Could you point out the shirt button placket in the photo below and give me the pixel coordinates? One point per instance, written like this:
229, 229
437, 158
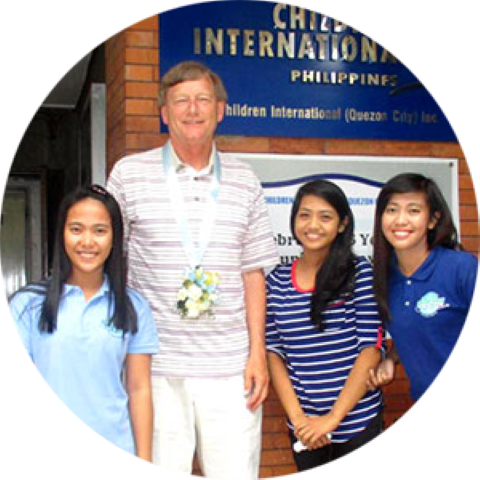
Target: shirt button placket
408, 293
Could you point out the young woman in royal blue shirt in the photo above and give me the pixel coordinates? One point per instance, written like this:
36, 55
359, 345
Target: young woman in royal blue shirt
324, 332
423, 280
83, 328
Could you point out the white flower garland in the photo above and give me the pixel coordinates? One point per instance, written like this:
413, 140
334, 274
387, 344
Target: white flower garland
198, 293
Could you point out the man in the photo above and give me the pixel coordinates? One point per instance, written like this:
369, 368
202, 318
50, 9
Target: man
198, 240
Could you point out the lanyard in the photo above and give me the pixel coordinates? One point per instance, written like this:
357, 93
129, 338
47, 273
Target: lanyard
194, 255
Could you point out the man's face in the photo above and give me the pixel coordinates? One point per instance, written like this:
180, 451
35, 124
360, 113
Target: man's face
192, 112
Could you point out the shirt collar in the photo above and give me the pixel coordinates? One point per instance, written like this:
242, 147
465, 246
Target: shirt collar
180, 166
423, 273
104, 289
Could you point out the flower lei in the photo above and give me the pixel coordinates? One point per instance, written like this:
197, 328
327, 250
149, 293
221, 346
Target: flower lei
198, 293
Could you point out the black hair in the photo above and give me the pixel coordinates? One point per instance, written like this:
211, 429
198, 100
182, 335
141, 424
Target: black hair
442, 234
336, 277
124, 317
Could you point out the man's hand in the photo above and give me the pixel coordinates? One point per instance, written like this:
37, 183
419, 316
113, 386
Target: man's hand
256, 381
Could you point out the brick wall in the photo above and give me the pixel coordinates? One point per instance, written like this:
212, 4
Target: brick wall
132, 76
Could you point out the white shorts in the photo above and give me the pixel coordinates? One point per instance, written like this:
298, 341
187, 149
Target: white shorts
211, 417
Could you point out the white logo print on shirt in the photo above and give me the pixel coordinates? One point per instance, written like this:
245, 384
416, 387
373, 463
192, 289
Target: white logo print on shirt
430, 304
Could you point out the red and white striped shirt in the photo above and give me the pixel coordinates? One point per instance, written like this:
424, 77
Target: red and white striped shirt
242, 241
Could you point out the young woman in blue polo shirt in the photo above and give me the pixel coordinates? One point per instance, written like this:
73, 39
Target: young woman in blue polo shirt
423, 281
324, 332
83, 328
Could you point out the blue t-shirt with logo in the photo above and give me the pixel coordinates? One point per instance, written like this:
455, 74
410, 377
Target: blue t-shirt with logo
83, 359
428, 312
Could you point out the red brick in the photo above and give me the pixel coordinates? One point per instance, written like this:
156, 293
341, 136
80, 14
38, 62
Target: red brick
140, 39
140, 107
141, 90
139, 73
145, 56
146, 23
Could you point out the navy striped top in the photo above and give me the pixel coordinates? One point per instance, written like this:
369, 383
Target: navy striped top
319, 363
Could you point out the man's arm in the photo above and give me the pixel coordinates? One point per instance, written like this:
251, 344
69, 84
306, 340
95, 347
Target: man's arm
256, 371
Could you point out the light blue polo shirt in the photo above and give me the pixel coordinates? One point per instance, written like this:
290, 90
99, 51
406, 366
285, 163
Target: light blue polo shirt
83, 359
428, 312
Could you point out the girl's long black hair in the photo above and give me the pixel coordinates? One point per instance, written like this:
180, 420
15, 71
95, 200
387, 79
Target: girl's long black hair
336, 277
442, 234
124, 316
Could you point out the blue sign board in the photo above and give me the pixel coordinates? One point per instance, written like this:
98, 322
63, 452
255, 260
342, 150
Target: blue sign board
292, 72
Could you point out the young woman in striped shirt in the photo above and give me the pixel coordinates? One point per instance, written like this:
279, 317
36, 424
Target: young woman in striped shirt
323, 332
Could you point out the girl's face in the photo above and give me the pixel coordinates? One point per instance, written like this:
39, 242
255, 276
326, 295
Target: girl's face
406, 221
87, 236
317, 224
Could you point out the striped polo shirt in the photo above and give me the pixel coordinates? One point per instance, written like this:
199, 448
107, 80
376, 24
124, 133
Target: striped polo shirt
242, 241
319, 363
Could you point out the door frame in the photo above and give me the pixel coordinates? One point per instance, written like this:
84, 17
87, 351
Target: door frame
33, 186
